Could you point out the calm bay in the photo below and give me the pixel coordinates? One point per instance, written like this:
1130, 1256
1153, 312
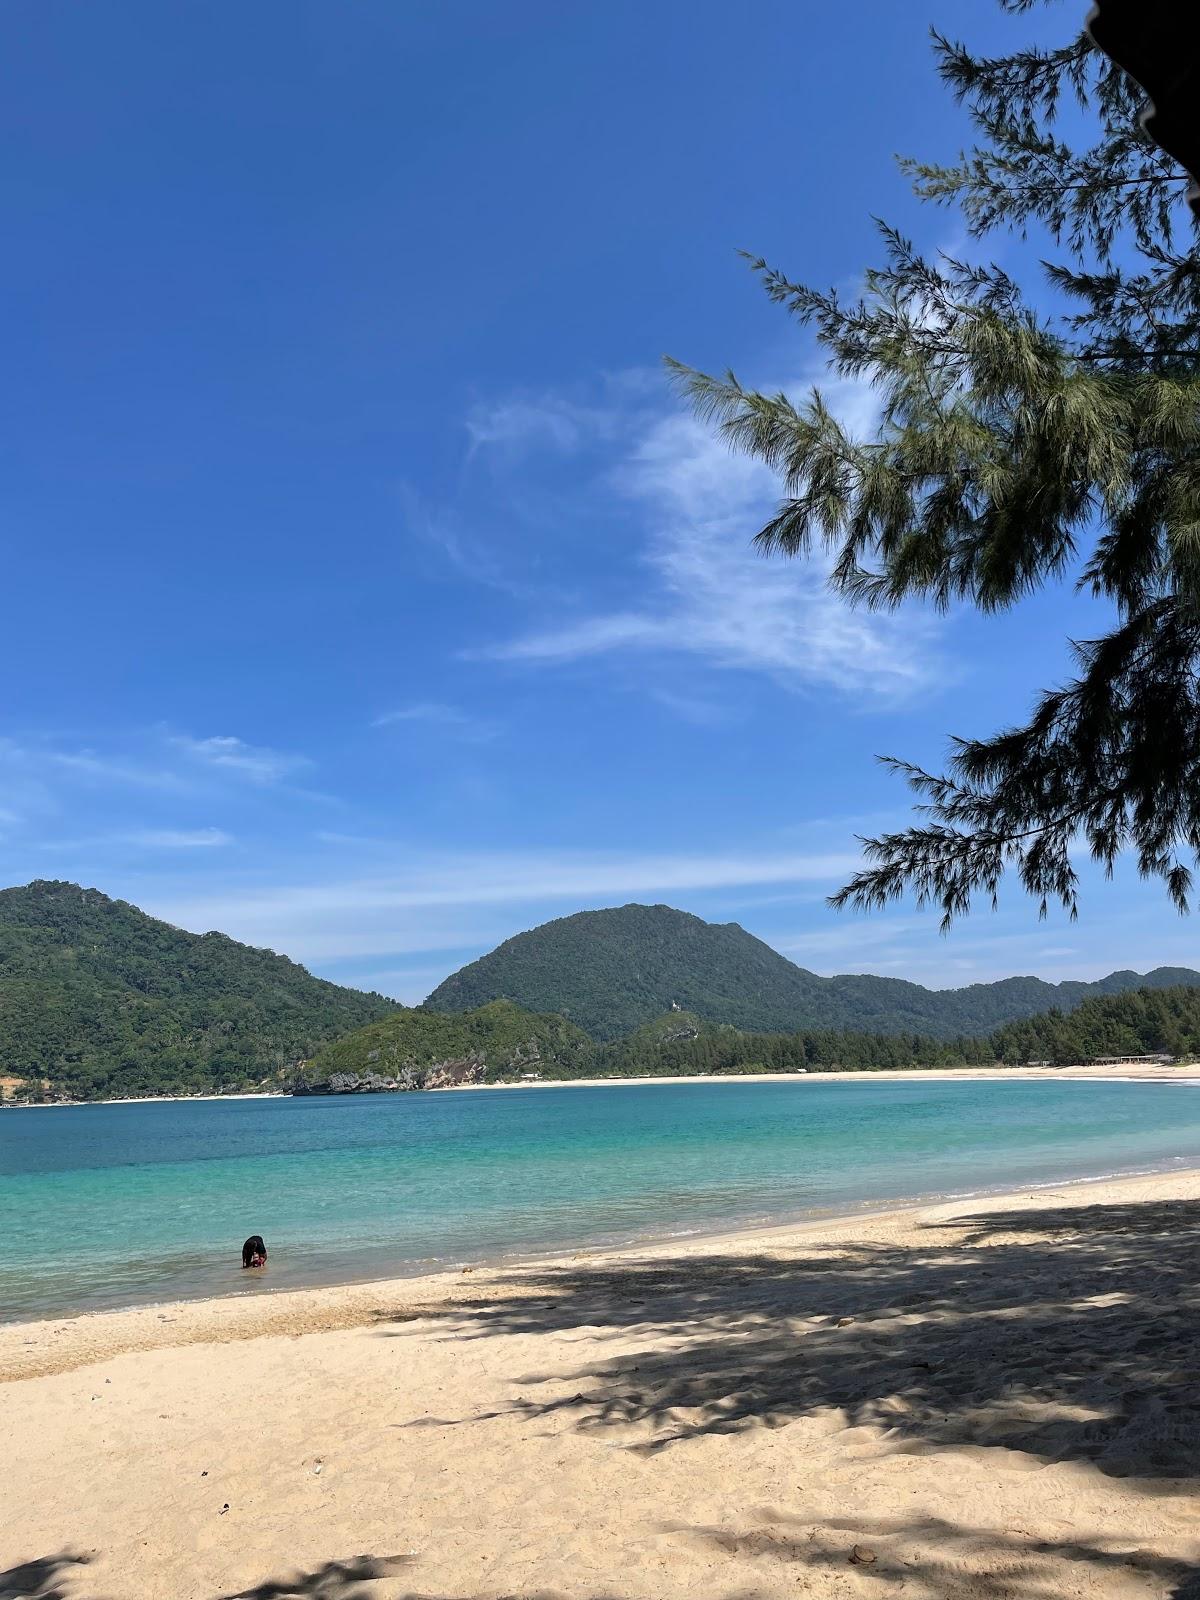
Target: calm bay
110, 1205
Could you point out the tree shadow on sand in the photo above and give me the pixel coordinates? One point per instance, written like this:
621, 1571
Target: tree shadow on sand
43, 1579
332, 1580
346, 1580
923, 1555
931, 1556
1068, 1334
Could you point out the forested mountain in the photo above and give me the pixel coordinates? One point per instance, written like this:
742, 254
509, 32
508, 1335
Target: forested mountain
611, 971
98, 1000
104, 1000
497, 1040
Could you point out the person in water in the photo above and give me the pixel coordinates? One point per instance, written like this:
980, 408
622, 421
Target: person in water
254, 1252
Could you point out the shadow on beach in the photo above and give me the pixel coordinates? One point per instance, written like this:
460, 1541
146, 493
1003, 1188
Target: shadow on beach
1066, 1334
931, 1556
332, 1580
1014, 1567
47, 1578
1016, 1338
1020, 1337
346, 1580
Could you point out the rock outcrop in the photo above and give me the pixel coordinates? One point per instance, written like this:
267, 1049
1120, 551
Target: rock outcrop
456, 1074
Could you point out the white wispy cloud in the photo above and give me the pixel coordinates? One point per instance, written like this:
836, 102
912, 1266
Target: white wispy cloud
33, 768
694, 708
525, 424
120, 841
709, 596
225, 753
90, 767
839, 939
455, 902
467, 554
433, 713
180, 838
977, 950
517, 424
404, 931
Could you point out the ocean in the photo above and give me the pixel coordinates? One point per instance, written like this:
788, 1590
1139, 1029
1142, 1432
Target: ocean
110, 1205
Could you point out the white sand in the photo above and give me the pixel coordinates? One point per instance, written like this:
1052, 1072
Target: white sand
1118, 1073
1013, 1413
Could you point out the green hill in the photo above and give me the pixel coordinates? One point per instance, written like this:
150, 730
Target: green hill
497, 1039
611, 971
102, 1000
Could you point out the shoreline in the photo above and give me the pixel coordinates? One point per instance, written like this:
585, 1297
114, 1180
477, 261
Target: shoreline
838, 1213
1134, 1072
144, 1100
985, 1396
258, 1310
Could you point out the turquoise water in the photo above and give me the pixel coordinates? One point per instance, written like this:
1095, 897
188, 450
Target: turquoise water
114, 1205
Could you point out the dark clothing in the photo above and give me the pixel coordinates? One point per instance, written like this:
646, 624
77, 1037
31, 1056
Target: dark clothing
254, 1252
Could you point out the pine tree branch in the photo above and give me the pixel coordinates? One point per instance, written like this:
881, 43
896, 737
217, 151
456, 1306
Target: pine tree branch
1124, 183
1010, 444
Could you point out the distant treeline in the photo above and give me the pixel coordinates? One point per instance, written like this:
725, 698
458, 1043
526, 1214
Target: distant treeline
1141, 1022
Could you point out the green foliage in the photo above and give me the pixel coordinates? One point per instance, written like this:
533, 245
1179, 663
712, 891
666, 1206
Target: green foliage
1017, 447
1143, 1022
611, 971
104, 1001
682, 1044
1139, 1023
504, 1038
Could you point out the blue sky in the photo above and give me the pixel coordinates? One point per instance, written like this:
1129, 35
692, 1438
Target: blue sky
368, 595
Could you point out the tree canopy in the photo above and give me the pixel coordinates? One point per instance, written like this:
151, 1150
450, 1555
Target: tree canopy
1024, 438
1140, 1022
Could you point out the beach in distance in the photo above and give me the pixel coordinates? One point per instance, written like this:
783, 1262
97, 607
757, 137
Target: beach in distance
1116, 1072
983, 1398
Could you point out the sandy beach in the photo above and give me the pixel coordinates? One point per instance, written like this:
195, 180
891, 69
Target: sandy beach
1188, 1072
996, 1399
